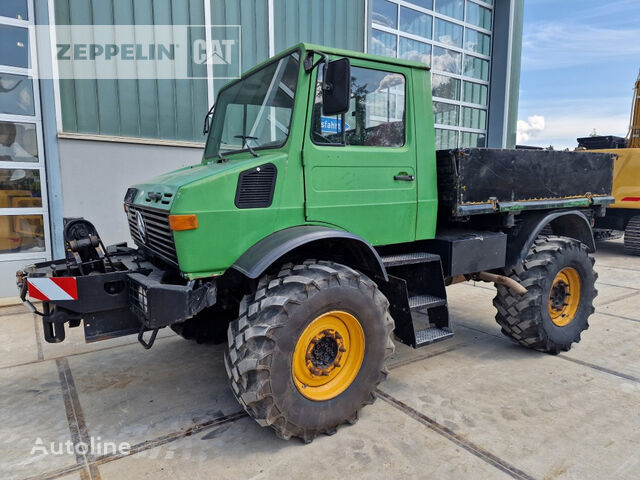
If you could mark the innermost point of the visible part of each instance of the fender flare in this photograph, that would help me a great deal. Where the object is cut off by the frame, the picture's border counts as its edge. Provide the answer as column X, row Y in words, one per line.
column 572, row 223
column 258, row 258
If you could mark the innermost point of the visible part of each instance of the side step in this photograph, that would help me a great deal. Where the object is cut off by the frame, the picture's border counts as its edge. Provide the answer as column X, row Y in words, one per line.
column 432, row 335
column 418, row 298
column 409, row 259
column 424, row 302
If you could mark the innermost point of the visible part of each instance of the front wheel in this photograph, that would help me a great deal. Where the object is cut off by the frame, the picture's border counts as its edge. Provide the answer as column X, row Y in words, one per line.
column 559, row 276
column 309, row 348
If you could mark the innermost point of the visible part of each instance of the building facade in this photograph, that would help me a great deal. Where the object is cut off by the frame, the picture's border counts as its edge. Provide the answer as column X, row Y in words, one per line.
column 71, row 147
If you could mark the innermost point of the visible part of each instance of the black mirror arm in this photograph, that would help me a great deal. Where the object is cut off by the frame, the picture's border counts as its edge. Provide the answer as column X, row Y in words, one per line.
column 209, row 114
column 326, row 87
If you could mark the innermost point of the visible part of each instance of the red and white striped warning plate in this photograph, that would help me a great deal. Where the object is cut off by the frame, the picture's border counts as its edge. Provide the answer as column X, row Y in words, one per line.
column 53, row 288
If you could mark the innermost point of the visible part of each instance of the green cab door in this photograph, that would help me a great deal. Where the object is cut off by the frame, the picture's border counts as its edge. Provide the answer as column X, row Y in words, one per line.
column 365, row 181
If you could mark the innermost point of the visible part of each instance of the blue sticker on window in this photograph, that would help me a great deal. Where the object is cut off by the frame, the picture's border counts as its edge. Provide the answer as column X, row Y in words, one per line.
column 332, row 125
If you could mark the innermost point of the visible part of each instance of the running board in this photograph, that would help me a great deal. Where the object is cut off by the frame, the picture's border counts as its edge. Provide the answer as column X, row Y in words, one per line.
column 430, row 335
column 418, row 299
column 422, row 302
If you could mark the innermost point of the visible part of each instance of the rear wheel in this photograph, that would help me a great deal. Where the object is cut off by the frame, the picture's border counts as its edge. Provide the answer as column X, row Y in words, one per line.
column 558, row 274
column 632, row 236
column 309, row 348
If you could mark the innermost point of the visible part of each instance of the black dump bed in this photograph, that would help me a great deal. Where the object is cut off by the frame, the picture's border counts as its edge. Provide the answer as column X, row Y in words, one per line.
column 480, row 181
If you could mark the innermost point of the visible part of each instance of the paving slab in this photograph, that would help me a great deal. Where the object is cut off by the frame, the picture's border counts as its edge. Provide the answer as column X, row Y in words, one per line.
column 31, row 408
column 547, row 416
column 384, row 444
column 628, row 307
column 22, row 346
column 129, row 394
column 619, row 276
column 610, row 343
column 612, row 253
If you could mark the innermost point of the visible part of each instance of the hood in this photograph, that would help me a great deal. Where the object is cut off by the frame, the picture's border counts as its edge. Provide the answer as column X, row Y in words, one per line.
column 160, row 191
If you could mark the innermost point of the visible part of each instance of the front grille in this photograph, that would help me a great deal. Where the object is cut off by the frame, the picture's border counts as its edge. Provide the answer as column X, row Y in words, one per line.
column 159, row 237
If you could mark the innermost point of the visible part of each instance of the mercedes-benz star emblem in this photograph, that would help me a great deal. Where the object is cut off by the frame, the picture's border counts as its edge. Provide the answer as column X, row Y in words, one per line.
column 142, row 227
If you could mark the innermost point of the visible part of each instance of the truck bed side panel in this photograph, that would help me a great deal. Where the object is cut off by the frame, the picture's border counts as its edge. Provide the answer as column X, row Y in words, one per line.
column 475, row 177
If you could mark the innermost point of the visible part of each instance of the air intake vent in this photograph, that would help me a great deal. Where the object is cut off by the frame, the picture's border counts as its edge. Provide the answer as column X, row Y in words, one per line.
column 255, row 187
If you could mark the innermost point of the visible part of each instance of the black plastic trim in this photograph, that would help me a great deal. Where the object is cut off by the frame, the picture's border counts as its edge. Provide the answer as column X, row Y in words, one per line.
column 569, row 223
column 255, row 261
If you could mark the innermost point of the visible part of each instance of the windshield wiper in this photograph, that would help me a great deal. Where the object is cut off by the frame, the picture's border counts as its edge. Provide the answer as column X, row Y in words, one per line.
column 246, row 144
column 221, row 159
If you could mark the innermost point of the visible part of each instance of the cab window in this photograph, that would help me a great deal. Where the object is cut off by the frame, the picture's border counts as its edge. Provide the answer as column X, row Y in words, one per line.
column 376, row 116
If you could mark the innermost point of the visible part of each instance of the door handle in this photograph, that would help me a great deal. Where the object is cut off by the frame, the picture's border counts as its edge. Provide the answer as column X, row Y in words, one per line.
column 404, row 178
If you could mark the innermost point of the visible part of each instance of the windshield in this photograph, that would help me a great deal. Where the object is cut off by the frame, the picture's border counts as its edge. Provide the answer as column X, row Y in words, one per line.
column 256, row 111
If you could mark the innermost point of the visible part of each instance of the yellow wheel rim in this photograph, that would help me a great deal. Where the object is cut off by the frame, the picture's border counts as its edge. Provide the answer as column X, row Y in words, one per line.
column 328, row 355
column 564, row 298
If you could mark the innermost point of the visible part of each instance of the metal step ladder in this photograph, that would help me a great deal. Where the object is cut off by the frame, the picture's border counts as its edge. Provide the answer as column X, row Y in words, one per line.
column 418, row 298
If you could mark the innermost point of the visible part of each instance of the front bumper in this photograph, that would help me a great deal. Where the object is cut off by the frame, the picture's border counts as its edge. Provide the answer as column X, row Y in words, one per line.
column 133, row 295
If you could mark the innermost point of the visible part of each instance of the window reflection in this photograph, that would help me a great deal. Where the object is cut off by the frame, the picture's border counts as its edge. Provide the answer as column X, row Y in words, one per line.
column 445, row 87
column 475, row 93
column 446, row 113
column 417, row 23
column 14, row 45
column 384, row 13
column 447, row 60
column 477, row 42
column 476, row 67
column 479, row 16
column 21, row 233
column 20, row 188
column 375, row 116
column 414, row 50
column 14, row 9
column 382, row 43
column 16, row 95
column 446, row 139
column 448, row 33
column 473, row 140
column 18, row 142
column 451, row 8
column 474, row 118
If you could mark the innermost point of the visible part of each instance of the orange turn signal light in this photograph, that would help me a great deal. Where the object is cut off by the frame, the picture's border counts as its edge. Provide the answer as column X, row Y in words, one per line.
column 183, row 222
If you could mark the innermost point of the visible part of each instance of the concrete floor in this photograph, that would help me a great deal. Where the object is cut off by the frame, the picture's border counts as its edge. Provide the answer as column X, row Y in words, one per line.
column 476, row 406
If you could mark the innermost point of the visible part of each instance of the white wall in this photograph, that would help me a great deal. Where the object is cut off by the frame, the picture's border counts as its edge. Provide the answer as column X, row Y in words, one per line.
column 95, row 176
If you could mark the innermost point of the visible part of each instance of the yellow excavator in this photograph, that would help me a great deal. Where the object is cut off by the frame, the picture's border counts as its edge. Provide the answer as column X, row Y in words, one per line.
column 624, row 214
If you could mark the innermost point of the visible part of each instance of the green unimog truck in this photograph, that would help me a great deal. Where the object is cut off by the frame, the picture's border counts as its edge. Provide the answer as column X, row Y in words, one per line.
column 320, row 218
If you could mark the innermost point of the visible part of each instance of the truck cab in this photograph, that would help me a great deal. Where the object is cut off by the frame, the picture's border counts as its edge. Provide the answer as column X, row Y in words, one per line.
column 275, row 160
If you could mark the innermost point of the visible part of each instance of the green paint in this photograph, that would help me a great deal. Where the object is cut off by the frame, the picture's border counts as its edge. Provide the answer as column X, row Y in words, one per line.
column 350, row 188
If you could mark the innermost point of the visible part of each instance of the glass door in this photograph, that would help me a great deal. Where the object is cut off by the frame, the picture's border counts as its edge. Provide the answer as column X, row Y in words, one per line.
column 24, row 219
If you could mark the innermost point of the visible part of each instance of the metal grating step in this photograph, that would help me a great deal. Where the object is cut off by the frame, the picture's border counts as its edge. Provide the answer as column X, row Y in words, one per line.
column 409, row 259
column 432, row 335
column 420, row 302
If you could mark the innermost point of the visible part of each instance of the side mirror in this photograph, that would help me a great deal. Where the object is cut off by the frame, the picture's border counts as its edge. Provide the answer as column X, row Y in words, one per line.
column 336, row 87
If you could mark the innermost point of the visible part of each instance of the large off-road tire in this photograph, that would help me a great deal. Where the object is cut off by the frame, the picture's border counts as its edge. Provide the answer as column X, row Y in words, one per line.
column 309, row 348
column 559, row 276
column 632, row 236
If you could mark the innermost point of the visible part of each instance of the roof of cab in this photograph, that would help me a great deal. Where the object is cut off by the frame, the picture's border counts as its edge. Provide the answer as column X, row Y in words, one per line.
column 310, row 47
column 364, row 56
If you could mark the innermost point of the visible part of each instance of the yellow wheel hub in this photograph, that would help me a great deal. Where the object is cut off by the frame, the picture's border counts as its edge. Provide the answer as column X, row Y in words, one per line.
column 328, row 355
column 564, row 298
